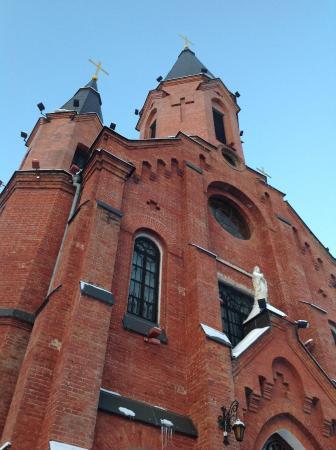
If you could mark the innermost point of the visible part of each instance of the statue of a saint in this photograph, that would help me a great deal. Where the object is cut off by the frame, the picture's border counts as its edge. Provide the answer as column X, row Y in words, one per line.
column 259, row 284
column 260, row 292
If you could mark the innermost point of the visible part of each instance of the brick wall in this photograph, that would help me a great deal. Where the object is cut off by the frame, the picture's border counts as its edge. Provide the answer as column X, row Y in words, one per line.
column 161, row 188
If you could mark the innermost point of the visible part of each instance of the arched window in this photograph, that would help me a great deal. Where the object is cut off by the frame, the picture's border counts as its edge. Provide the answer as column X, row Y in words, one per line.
column 151, row 125
column 229, row 217
column 81, row 156
column 153, row 130
column 144, row 285
column 218, row 118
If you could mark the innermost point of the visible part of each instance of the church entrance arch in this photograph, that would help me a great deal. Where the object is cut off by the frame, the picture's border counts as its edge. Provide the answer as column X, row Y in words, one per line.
column 283, row 439
column 285, row 432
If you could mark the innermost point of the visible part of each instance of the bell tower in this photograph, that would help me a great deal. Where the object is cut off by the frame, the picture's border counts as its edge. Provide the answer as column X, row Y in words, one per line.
column 192, row 100
column 56, row 137
column 38, row 200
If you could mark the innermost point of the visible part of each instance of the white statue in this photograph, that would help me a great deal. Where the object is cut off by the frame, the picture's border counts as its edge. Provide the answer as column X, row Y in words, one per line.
column 260, row 292
column 259, row 284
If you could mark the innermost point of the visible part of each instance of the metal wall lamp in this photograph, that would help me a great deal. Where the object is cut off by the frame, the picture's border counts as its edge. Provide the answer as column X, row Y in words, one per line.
column 229, row 421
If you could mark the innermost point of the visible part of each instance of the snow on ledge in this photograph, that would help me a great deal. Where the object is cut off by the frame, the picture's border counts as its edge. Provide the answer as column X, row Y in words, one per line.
column 64, row 110
column 126, row 411
column 109, row 392
column 256, row 311
column 166, row 423
column 85, row 283
column 215, row 335
column 5, row 445
column 62, row 446
column 276, row 310
column 248, row 340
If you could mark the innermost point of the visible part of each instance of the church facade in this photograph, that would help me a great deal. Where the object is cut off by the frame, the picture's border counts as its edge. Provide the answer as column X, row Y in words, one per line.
column 133, row 313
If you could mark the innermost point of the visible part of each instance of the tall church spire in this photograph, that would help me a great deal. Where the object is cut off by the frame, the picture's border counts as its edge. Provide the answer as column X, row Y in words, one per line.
column 187, row 64
column 86, row 100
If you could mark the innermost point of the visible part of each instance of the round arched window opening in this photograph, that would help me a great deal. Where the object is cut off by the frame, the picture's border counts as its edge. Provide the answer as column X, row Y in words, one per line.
column 230, row 158
column 229, row 217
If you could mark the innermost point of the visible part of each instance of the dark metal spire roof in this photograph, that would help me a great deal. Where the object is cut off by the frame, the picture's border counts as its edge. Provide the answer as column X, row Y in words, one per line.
column 186, row 65
column 87, row 99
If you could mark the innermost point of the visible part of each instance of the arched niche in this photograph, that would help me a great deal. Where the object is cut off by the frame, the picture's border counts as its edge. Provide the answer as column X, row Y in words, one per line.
column 287, row 377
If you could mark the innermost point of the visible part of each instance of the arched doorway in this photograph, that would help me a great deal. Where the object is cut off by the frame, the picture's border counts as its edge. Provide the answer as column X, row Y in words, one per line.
column 275, row 442
column 283, row 439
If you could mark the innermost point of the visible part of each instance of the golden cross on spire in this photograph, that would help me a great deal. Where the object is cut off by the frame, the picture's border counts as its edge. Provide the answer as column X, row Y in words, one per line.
column 98, row 69
column 186, row 41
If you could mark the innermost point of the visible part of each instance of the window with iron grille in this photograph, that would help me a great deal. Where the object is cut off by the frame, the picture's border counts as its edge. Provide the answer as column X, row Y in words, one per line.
column 144, row 285
column 235, row 306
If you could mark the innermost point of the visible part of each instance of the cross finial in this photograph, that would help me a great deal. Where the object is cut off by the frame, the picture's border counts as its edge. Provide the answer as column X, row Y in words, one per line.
column 186, row 41
column 98, row 69
column 262, row 171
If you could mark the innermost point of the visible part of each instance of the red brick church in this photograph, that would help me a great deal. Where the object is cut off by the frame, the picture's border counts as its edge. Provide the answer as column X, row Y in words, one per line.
column 133, row 314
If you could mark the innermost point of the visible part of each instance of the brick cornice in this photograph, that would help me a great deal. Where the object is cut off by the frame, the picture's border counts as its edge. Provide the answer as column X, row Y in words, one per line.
column 247, row 358
column 72, row 115
column 187, row 79
column 37, row 179
column 102, row 159
column 107, row 134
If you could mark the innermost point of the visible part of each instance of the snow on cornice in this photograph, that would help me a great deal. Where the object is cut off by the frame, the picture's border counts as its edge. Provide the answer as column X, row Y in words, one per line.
column 248, row 340
column 216, row 335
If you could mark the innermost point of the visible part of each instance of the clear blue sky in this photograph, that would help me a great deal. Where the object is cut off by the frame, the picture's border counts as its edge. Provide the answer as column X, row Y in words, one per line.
column 279, row 54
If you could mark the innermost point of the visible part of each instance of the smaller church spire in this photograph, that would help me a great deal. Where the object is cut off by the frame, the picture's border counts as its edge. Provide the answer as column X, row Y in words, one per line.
column 86, row 100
